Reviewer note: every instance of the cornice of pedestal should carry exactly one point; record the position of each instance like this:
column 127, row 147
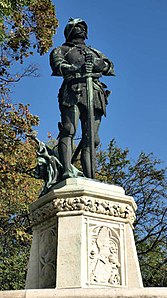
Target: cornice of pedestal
column 86, row 195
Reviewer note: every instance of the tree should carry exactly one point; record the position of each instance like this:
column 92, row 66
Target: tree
column 146, row 181
column 26, row 26
column 18, row 190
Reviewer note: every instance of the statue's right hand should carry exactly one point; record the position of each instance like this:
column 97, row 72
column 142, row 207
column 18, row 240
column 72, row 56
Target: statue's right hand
column 89, row 58
column 88, row 67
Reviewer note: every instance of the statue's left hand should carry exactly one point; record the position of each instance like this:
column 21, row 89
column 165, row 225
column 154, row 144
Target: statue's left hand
column 89, row 58
column 94, row 64
column 88, row 66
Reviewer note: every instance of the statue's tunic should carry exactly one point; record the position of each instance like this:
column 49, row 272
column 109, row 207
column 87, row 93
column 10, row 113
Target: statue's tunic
column 68, row 61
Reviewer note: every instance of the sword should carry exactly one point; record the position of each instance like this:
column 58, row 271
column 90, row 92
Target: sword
column 91, row 139
column 89, row 89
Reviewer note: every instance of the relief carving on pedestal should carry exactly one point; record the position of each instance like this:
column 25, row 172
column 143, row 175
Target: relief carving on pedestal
column 95, row 206
column 42, row 213
column 47, row 258
column 104, row 259
column 83, row 203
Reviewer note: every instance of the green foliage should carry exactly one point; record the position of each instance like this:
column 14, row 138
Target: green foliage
column 153, row 261
column 112, row 164
column 26, row 26
column 18, row 190
column 13, row 270
column 21, row 19
column 146, row 181
column 9, row 6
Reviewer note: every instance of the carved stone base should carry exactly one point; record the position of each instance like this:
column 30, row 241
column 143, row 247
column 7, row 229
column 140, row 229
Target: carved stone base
column 82, row 237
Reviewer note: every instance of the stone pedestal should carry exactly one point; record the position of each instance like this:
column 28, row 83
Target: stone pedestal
column 83, row 238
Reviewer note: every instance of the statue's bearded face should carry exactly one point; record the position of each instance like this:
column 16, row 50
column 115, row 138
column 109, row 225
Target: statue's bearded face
column 79, row 31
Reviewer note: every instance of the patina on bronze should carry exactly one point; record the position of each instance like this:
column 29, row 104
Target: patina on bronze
column 81, row 96
column 89, row 89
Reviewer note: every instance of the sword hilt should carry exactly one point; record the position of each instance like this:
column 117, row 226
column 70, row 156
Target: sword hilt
column 92, row 75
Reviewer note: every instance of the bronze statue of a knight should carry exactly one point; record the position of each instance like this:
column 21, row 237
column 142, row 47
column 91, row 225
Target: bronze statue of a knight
column 81, row 66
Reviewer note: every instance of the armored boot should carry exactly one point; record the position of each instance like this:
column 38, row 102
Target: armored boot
column 65, row 154
column 85, row 162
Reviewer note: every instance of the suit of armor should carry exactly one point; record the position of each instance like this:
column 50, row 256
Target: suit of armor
column 70, row 61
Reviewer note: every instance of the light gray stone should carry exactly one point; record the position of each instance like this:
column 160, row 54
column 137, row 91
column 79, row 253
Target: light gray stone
column 42, row 263
column 133, row 269
column 69, row 257
column 83, row 237
column 89, row 293
column 13, row 294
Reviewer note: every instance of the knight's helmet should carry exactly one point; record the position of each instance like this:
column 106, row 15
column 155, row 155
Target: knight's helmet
column 70, row 26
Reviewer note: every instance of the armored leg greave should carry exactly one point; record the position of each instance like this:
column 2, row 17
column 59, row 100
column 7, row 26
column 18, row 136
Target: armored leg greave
column 65, row 154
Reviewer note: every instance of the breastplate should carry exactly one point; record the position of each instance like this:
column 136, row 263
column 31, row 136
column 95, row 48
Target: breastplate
column 76, row 55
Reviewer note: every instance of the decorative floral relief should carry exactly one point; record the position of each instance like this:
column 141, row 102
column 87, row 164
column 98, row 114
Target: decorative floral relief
column 43, row 213
column 96, row 206
column 83, row 203
column 104, row 265
column 47, row 258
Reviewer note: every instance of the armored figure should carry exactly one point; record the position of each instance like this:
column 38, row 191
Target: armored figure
column 73, row 61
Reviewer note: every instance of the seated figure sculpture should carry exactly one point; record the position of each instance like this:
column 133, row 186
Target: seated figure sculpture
column 75, row 62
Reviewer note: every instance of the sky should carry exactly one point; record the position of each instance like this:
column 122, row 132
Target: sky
column 133, row 34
